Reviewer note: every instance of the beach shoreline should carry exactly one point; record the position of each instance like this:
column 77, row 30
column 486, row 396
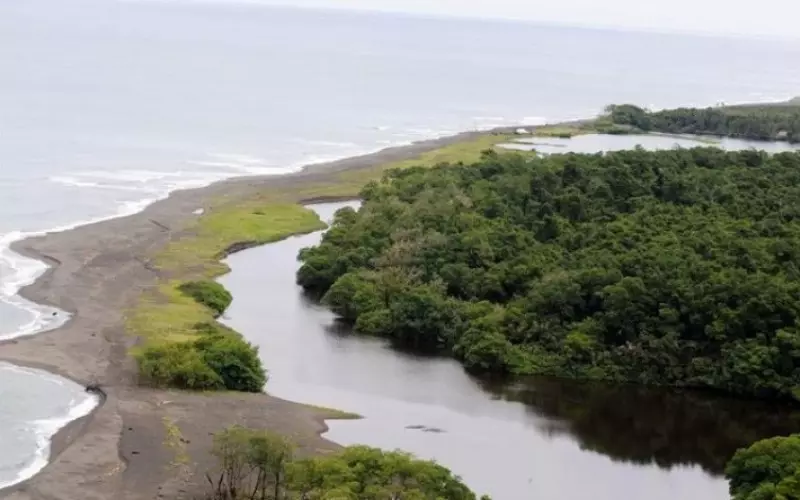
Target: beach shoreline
column 96, row 272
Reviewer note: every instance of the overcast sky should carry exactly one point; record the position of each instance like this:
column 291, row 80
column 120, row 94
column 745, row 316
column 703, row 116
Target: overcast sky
column 745, row 17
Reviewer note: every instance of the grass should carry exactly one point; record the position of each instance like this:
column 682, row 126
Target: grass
column 349, row 183
column 561, row 131
column 167, row 315
column 259, row 223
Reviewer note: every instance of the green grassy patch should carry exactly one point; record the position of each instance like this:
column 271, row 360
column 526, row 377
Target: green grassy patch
column 171, row 321
column 560, row 131
column 257, row 222
column 167, row 314
column 461, row 152
column 349, row 183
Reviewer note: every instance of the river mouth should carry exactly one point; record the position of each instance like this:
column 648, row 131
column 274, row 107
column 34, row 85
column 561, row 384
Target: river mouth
column 527, row 439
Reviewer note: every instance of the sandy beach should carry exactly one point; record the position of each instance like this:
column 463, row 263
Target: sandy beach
column 124, row 449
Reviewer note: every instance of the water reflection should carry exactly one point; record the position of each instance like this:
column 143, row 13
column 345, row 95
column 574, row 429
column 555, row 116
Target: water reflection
column 594, row 143
column 647, row 425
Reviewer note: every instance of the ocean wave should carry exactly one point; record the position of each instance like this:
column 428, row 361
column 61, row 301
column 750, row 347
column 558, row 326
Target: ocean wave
column 326, row 143
column 75, row 182
column 126, row 175
column 490, row 122
column 239, row 169
column 45, row 429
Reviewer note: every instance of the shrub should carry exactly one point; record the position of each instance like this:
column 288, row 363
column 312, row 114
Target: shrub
column 234, row 360
column 178, row 365
column 218, row 360
column 209, row 293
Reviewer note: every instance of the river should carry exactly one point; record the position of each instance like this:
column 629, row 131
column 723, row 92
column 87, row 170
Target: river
column 535, row 439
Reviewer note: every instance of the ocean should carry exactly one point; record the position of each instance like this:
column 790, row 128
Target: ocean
column 108, row 105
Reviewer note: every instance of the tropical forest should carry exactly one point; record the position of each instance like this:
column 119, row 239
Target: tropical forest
column 674, row 268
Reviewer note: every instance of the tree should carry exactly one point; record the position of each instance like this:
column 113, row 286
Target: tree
column 767, row 470
column 252, row 464
column 259, row 465
column 364, row 473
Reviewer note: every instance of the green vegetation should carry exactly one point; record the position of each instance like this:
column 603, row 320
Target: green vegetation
column 255, row 464
column 218, row 359
column 765, row 122
column 767, row 470
column 183, row 346
column 348, row 183
column 208, row 293
column 673, row 267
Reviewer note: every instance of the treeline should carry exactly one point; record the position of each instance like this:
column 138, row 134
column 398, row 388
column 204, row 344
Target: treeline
column 260, row 465
column 675, row 267
column 764, row 123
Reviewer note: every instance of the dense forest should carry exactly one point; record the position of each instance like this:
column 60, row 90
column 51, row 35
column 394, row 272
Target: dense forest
column 773, row 122
column 675, row 267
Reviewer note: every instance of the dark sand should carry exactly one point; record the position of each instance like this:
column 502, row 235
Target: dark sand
column 122, row 450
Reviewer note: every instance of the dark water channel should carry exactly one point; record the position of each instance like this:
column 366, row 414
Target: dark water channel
column 534, row 439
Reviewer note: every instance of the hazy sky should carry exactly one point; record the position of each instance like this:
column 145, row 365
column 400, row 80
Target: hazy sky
column 746, row 17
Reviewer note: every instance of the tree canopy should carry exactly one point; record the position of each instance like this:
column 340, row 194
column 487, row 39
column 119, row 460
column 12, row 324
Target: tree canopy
column 764, row 122
column 260, row 465
column 674, row 267
column 767, row 470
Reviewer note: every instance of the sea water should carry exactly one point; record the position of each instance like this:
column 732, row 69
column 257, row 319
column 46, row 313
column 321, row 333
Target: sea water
column 108, row 105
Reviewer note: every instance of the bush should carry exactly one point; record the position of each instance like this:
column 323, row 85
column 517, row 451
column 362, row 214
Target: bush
column 484, row 352
column 178, row 365
column 235, row 361
column 218, row 360
column 209, row 293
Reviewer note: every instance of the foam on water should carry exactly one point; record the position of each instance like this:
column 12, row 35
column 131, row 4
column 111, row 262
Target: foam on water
column 45, row 429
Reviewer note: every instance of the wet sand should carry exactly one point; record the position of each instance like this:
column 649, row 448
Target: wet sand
column 122, row 450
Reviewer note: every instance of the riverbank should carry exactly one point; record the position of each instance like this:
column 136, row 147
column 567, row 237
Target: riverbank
column 99, row 273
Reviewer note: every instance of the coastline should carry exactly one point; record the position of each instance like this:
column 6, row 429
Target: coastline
column 96, row 272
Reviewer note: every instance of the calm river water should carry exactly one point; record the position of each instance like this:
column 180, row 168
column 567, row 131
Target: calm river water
column 535, row 439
